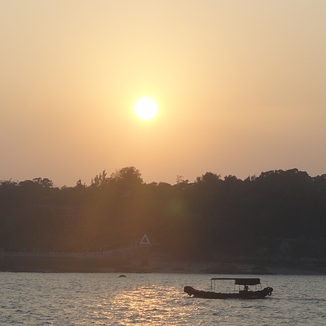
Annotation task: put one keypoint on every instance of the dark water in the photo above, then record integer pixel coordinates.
(153, 299)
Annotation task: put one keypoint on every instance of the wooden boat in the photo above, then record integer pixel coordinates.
(244, 293)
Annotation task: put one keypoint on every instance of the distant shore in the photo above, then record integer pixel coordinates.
(156, 264)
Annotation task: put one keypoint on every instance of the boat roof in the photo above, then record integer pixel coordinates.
(240, 281)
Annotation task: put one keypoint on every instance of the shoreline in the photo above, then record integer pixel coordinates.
(153, 265)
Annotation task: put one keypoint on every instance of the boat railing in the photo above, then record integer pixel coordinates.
(245, 282)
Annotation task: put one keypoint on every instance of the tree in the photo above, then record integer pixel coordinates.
(127, 178)
(99, 180)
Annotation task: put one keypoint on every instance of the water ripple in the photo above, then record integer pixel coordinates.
(152, 299)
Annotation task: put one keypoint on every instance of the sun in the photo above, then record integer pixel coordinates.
(146, 108)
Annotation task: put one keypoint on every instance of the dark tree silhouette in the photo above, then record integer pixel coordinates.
(210, 216)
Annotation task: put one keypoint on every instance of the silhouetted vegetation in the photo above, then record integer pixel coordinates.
(277, 213)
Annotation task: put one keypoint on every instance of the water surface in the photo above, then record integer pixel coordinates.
(153, 299)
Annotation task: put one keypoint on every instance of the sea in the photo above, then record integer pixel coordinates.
(154, 299)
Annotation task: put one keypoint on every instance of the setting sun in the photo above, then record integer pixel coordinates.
(146, 108)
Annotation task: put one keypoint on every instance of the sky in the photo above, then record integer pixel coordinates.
(240, 86)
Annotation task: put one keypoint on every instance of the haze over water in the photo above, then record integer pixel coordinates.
(153, 299)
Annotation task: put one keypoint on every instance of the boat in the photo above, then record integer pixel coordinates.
(244, 293)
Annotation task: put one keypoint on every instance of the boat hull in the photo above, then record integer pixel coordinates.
(240, 295)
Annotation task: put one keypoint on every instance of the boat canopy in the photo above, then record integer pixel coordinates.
(240, 281)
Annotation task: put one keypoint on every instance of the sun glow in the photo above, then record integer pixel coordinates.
(146, 108)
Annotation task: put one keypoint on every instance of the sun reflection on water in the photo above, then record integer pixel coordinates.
(147, 305)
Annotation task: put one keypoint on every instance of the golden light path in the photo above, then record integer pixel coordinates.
(146, 108)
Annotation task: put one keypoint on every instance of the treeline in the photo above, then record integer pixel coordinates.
(278, 212)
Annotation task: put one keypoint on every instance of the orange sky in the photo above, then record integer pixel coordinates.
(240, 87)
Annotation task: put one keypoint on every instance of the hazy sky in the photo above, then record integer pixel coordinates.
(240, 85)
